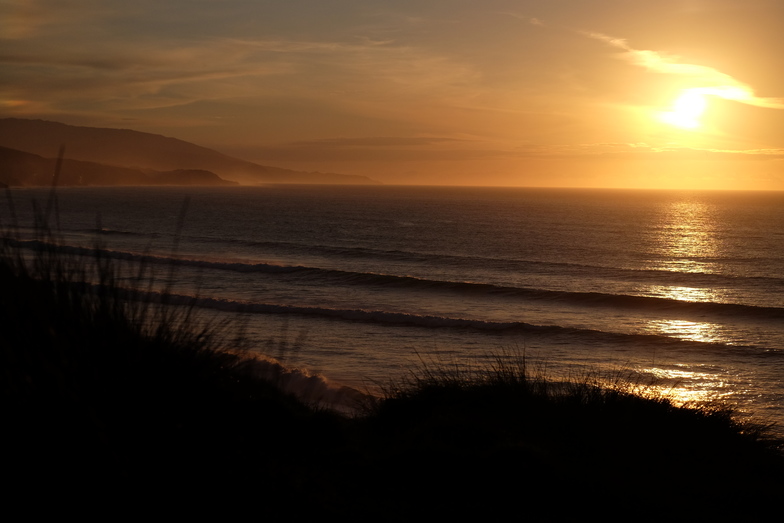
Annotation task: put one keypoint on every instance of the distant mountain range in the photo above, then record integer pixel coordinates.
(102, 156)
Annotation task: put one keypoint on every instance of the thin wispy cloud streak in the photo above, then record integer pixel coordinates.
(711, 81)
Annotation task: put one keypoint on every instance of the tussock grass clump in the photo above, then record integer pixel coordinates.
(127, 398)
(571, 448)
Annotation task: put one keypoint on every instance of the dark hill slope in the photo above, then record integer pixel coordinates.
(18, 168)
(144, 150)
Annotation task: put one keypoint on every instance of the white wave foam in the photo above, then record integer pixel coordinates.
(313, 389)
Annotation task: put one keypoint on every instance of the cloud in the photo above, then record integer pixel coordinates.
(158, 74)
(646, 152)
(708, 81)
(23, 19)
(529, 19)
(135, 78)
(314, 67)
(374, 149)
(442, 148)
(376, 141)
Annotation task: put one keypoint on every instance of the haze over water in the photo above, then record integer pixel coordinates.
(681, 286)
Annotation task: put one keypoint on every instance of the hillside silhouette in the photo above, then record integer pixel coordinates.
(18, 168)
(138, 150)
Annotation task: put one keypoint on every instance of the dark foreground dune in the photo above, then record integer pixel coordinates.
(111, 407)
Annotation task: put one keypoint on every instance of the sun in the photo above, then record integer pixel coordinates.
(686, 110)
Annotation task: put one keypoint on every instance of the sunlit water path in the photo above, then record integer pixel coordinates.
(359, 282)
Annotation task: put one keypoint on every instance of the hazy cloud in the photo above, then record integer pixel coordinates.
(643, 151)
(380, 141)
(22, 19)
(525, 18)
(161, 74)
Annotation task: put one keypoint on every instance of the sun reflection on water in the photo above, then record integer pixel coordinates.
(688, 387)
(674, 292)
(688, 330)
(685, 239)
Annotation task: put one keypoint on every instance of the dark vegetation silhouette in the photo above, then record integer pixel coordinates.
(114, 399)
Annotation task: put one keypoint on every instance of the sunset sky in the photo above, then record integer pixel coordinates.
(620, 93)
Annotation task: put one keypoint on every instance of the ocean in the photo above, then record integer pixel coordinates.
(361, 284)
